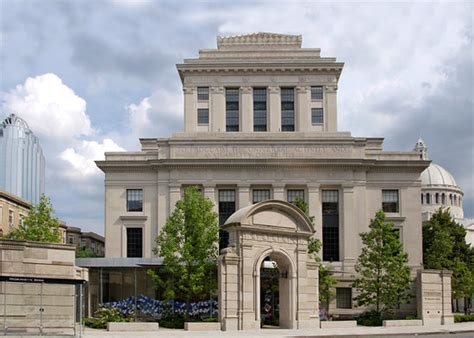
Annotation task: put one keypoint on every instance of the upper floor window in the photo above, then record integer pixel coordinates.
(232, 109)
(437, 198)
(443, 198)
(259, 109)
(259, 195)
(21, 220)
(203, 116)
(317, 116)
(390, 201)
(10, 218)
(316, 93)
(294, 194)
(428, 199)
(287, 109)
(134, 199)
(203, 93)
(227, 207)
(134, 242)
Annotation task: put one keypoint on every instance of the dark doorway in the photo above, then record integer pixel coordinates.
(269, 294)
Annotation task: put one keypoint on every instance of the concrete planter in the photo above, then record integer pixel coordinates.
(202, 326)
(132, 326)
(338, 324)
(409, 322)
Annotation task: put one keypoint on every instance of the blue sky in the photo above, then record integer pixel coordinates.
(90, 76)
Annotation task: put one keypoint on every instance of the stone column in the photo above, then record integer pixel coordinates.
(314, 204)
(303, 113)
(274, 109)
(348, 234)
(162, 205)
(190, 110)
(228, 290)
(210, 192)
(217, 109)
(175, 195)
(279, 191)
(330, 109)
(244, 195)
(246, 109)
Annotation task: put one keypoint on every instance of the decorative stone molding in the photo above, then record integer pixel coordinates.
(274, 90)
(331, 89)
(189, 90)
(246, 90)
(217, 90)
(260, 38)
(302, 89)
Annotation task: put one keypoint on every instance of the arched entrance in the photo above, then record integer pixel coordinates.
(278, 230)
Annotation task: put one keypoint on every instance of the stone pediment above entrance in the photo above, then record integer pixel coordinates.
(272, 215)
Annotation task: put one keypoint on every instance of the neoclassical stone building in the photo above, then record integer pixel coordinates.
(260, 123)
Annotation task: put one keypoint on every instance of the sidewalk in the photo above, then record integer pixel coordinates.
(360, 331)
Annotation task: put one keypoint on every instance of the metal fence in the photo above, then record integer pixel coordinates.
(41, 306)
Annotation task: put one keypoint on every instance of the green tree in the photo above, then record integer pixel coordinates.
(326, 280)
(39, 225)
(382, 268)
(188, 245)
(83, 252)
(445, 247)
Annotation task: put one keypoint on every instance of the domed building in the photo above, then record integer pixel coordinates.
(439, 189)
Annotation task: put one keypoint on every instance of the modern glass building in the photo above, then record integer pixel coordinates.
(21, 160)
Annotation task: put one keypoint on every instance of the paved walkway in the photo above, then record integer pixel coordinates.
(466, 328)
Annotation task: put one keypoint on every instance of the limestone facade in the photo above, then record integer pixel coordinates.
(12, 211)
(344, 179)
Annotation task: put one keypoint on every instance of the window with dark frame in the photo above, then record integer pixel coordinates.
(203, 115)
(134, 242)
(10, 218)
(134, 200)
(259, 195)
(317, 116)
(316, 93)
(203, 93)
(390, 201)
(232, 109)
(287, 109)
(330, 211)
(226, 208)
(428, 199)
(344, 298)
(293, 194)
(259, 109)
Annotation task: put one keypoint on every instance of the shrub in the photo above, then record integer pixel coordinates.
(372, 318)
(173, 322)
(105, 315)
(463, 318)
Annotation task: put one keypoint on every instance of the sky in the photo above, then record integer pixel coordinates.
(92, 76)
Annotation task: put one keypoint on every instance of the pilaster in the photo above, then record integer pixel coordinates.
(279, 191)
(274, 109)
(246, 109)
(217, 109)
(210, 192)
(314, 205)
(190, 109)
(175, 195)
(303, 113)
(243, 195)
(348, 233)
(330, 111)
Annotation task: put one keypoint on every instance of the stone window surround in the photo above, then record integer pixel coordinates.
(124, 236)
(399, 206)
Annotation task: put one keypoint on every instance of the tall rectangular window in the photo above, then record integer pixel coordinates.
(316, 93)
(203, 116)
(317, 115)
(390, 201)
(134, 242)
(287, 109)
(134, 200)
(10, 218)
(344, 298)
(294, 194)
(259, 195)
(259, 109)
(232, 109)
(330, 206)
(203, 93)
(226, 208)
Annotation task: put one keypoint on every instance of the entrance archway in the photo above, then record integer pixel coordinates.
(278, 230)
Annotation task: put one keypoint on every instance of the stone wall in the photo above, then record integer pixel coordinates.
(43, 297)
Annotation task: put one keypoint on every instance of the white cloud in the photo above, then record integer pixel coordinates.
(52, 109)
(81, 165)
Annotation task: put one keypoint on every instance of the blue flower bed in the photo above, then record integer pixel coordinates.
(155, 308)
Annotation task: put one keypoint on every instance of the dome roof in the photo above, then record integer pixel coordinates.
(437, 175)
